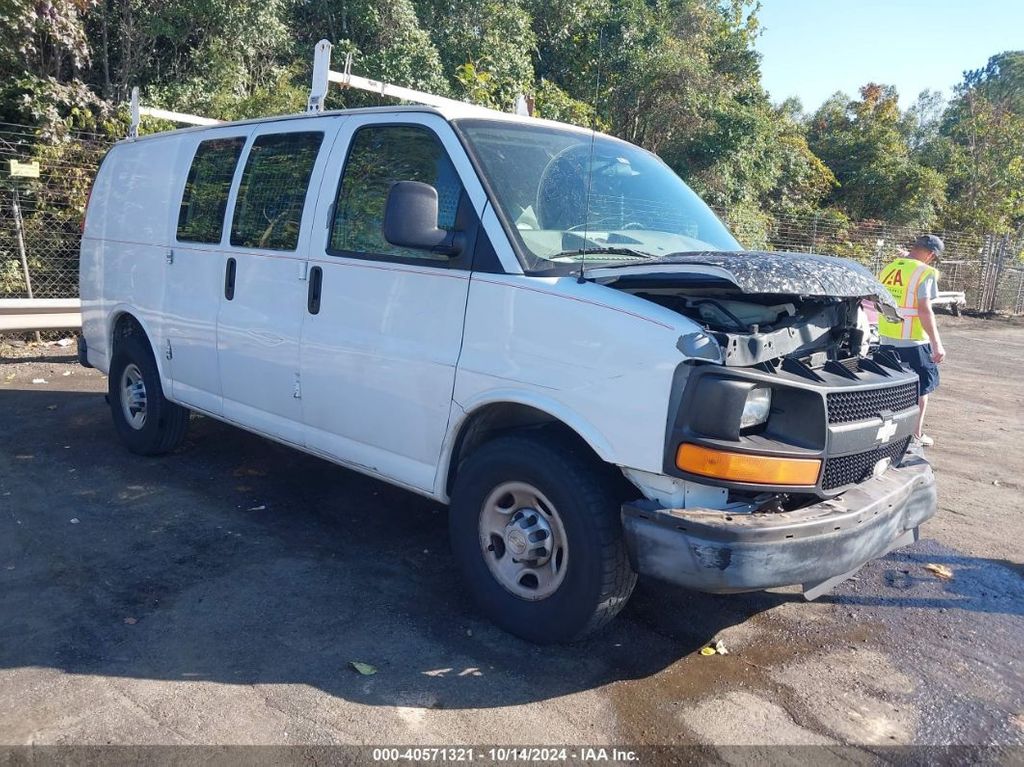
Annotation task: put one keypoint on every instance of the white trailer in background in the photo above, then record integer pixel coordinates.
(956, 300)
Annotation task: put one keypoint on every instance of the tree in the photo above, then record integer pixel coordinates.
(696, 98)
(867, 144)
(801, 181)
(385, 37)
(924, 119)
(44, 50)
(679, 77)
(984, 150)
(484, 46)
(224, 58)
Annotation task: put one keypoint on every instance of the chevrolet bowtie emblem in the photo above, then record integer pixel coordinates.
(886, 431)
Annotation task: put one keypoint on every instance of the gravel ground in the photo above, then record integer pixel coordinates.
(218, 596)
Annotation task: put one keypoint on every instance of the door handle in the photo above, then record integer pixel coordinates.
(229, 279)
(316, 279)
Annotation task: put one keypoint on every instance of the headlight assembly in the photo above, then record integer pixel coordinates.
(756, 408)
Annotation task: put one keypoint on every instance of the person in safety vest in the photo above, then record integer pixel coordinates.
(913, 281)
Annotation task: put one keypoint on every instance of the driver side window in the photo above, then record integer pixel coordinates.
(379, 156)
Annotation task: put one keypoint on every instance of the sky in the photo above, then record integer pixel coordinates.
(812, 48)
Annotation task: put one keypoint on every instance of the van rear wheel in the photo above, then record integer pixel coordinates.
(535, 529)
(146, 422)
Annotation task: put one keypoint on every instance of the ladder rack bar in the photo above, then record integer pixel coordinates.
(395, 91)
(137, 112)
(323, 75)
(178, 117)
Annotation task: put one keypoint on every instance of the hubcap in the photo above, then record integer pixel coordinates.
(523, 541)
(133, 396)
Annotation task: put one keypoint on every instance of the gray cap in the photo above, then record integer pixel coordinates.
(930, 242)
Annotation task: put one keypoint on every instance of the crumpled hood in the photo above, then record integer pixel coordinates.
(753, 271)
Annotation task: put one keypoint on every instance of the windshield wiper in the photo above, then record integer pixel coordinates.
(608, 251)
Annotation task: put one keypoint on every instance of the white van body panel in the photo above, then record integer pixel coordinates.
(597, 359)
(124, 245)
(379, 363)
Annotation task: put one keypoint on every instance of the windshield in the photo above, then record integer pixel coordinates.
(637, 207)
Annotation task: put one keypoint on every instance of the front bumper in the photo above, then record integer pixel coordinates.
(816, 546)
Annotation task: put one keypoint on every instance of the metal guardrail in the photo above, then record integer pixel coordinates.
(19, 314)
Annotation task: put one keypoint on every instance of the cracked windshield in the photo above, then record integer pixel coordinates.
(635, 208)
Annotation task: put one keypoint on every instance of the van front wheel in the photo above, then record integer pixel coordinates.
(146, 422)
(535, 530)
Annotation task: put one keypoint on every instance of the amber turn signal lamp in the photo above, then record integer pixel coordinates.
(740, 467)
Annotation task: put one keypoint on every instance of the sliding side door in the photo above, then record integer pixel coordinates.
(264, 280)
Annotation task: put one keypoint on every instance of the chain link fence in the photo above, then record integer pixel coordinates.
(40, 228)
(43, 191)
(987, 268)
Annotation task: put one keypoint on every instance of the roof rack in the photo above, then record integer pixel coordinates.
(323, 76)
(162, 114)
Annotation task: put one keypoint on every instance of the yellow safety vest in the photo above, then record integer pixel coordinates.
(903, 277)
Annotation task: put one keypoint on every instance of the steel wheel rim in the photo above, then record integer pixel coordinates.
(133, 396)
(523, 541)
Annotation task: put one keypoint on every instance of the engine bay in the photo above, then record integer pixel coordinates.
(756, 329)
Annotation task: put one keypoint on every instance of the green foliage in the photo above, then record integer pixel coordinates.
(982, 145)
(477, 86)
(47, 39)
(385, 37)
(867, 144)
(679, 77)
(204, 56)
(553, 103)
(486, 44)
(801, 180)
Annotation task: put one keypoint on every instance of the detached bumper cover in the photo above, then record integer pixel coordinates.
(719, 552)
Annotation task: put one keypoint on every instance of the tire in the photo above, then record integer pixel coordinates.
(163, 424)
(578, 501)
(956, 310)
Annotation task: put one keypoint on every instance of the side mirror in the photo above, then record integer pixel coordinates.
(410, 219)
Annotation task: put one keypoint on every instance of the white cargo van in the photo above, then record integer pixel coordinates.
(542, 327)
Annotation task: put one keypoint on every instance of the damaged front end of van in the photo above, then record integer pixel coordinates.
(789, 455)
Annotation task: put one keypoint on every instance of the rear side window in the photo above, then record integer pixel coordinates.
(380, 156)
(268, 212)
(201, 216)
